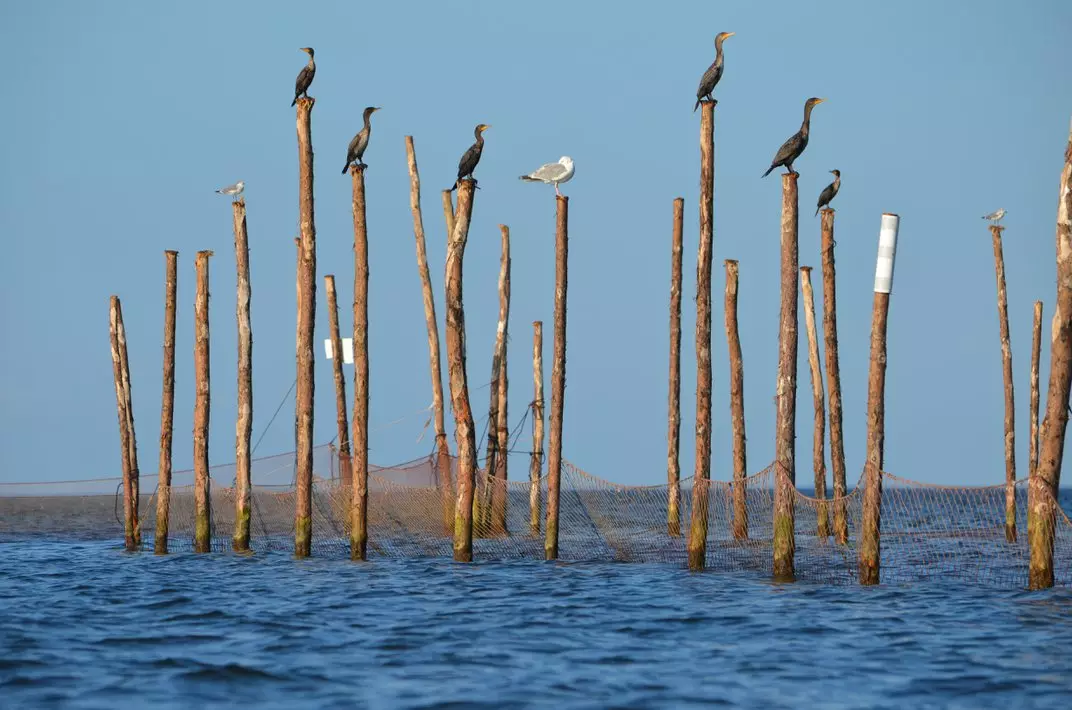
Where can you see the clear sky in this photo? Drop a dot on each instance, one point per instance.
(123, 117)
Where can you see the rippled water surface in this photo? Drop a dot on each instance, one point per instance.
(88, 626)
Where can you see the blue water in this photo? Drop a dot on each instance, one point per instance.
(89, 626)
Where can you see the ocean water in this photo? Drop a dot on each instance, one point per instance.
(86, 625)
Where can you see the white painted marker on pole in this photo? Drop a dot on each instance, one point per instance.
(347, 350)
(887, 252)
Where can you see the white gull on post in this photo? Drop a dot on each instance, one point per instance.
(234, 190)
(552, 173)
(995, 217)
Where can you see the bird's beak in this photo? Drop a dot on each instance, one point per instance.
(377, 108)
(729, 34)
(819, 101)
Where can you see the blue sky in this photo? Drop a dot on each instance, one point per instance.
(124, 117)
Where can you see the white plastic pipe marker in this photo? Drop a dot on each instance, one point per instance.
(887, 252)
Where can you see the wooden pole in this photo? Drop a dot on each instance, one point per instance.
(304, 393)
(359, 520)
(129, 523)
(1010, 411)
(202, 482)
(167, 406)
(342, 421)
(833, 378)
(448, 214)
(697, 544)
(1044, 487)
(498, 493)
(740, 463)
(132, 440)
(870, 549)
(673, 435)
(785, 432)
(244, 426)
(459, 387)
(558, 378)
(446, 487)
(536, 460)
(1036, 351)
(483, 502)
(819, 438)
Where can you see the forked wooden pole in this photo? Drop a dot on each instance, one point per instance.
(502, 424)
(822, 514)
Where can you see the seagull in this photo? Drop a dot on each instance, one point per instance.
(552, 173)
(995, 217)
(234, 190)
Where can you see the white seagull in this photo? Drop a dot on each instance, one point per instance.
(552, 173)
(234, 190)
(995, 217)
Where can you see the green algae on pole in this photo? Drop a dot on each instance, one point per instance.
(167, 405)
(244, 426)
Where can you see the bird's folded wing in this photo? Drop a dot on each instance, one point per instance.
(550, 171)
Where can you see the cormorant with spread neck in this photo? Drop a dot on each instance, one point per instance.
(793, 147)
(829, 192)
(305, 77)
(356, 151)
(713, 73)
(467, 164)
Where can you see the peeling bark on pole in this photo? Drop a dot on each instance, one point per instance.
(443, 463)
(342, 420)
(498, 492)
(785, 432)
(202, 481)
(167, 406)
(244, 425)
(132, 441)
(536, 460)
(819, 438)
(740, 463)
(558, 378)
(673, 435)
(697, 543)
(459, 387)
(359, 518)
(833, 378)
(1044, 487)
(129, 524)
(304, 393)
(1036, 348)
(1006, 366)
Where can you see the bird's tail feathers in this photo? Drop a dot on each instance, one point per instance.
(697, 105)
(346, 167)
(772, 167)
(529, 178)
(295, 101)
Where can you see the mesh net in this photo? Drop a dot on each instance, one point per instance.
(928, 531)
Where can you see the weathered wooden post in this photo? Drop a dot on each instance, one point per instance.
(443, 464)
(819, 438)
(132, 441)
(121, 374)
(167, 406)
(464, 431)
(785, 426)
(244, 426)
(342, 420)
(870, 550)
(1044, 487)
(673, 435)
(359, 519)
(491, 461)
(833, 378)
(740, 462)
(304, 393)
(1036, 351)
(697, 544)
(448, 213)
(202, 481)
(536, 458)
(1010, 410)
(558, 378)
(502, 423)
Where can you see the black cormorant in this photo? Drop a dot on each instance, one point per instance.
(305, 77)
(467, 164)
(356, 150)
(793, 147)
(829, 192)
(713, 73)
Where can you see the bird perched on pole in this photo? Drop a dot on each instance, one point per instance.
(467, 164)
(552, 173)
(793, 147)
(713, 73)
(357, 146)
(829, 192)
(305, 77)
(995, 217)
(233, 190)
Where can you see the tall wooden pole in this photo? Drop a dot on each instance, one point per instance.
(740, 462)
(818, 398)
(202, 482)
(833, 378)
(464, 431)
(673, 435)
(130, 523)
(697, 544)
(1033, 416)
(785, 431)
(491, 460)
(167, 406)
(342, 420)
(304, 394)
(1010, 409)
(443, 464)
(132, 440)
(502, 424)
(244, 426)
(1044, 487)
(870, 549)
(558, 378)
(359, 519)
(536, 459)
